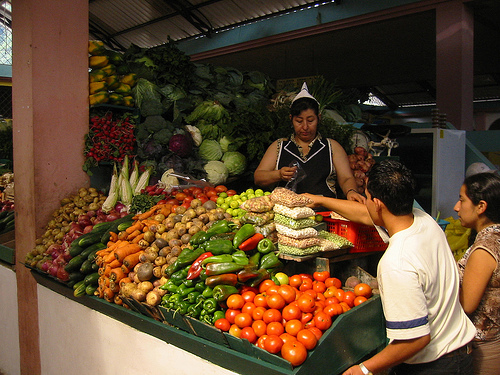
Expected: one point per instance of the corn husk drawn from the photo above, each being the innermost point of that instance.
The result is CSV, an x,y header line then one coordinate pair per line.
x,y
113,194
143,180
134,176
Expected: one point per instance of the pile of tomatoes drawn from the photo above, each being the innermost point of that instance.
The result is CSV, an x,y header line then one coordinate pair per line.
x,y
177,197
289,319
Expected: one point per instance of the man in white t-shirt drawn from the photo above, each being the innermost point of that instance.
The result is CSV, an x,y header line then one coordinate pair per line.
x,y
428,330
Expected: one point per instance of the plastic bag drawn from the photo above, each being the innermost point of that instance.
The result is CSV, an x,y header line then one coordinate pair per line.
x,y
258,204
289,198
294,223
299,175
257,218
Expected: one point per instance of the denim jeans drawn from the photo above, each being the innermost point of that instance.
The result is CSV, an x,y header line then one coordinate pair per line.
x,y
460,364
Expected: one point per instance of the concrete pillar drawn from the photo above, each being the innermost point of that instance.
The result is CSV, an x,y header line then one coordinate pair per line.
x,y
50,119
455,63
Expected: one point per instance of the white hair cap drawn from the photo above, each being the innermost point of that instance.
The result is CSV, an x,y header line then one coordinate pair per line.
x,y
304,93
476,168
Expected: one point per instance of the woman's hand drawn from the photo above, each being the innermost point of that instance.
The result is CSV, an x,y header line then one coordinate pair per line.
x,y
355,196
286,173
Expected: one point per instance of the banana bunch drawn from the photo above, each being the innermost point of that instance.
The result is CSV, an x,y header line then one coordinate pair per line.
x,y
457,236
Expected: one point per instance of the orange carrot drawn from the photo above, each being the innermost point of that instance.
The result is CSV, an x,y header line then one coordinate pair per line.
x,y
122,252
117,300
108,294
104,271
134,234
113,236
115,263
122,236
137,238
110,257
146,214
132,259
137,226
114,286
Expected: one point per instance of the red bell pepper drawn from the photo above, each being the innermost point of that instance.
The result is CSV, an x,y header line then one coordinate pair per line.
x,y
195,269
251,243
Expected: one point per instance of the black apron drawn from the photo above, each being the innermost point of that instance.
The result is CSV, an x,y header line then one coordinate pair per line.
x,y
318,166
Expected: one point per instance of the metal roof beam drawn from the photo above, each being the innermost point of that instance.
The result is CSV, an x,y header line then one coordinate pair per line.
x,y
186,10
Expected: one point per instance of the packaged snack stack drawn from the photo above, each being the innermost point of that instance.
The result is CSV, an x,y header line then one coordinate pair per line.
x,y
259,212
294,223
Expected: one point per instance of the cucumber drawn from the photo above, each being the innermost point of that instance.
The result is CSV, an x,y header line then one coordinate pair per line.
x,y
124,225
74,249
95,267
101,226
80,290
8,217
91,279
88,239
86,267
89,249
74,264
76,276
3,214
90,289
77,285
114,227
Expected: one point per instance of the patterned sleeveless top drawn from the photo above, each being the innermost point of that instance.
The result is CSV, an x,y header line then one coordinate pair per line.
x,y
486,318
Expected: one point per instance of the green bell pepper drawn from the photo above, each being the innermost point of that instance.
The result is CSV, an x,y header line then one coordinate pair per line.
x,y
192,296
222,292
182,307
174,301
194,311
199,237
179,276
200,286
219,314
207,292
254,260
265,246
184,290
246,231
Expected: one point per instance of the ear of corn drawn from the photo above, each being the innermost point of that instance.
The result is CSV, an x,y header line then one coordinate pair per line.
x,y
112,198
143,180
134,176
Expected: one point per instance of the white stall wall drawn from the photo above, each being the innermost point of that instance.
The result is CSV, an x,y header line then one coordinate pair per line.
x,y
9,332
77,340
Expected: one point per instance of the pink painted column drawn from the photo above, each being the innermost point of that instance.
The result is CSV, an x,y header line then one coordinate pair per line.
x,y
50,119
455,63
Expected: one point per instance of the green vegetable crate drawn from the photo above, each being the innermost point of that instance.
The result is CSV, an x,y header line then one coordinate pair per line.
x,y
352,336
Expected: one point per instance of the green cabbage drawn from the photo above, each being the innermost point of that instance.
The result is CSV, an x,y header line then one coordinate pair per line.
x,y
210,150
235,162
217,172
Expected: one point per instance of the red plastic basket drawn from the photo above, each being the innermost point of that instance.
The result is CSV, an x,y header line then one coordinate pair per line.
x,y
364,238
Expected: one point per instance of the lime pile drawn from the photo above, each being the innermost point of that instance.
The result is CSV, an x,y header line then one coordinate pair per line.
x,y
231,203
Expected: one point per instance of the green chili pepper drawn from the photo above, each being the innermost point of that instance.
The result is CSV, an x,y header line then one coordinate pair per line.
x,y
254,260
184,290
199,237
223,236
226,279
179,276
220,268
200,286
207,292
240,257
222,292
194,311
247,273
263,274
200,299
182,307
208,319
189,283
210,305
174,300
219,315
269,260
186,257
246,231
221,226
192,296
218,259
218,247
169,286
265,246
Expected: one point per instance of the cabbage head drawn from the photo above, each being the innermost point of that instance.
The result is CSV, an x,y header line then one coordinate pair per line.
x,y
217,172
235,162
210,150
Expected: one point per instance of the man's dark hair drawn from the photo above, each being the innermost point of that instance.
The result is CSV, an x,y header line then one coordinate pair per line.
x,y
303,104
394,184
485,187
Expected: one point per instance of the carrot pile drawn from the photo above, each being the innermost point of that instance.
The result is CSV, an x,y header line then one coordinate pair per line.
x,y
117,261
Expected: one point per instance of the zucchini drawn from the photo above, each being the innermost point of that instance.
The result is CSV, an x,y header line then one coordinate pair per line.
x,y
74,263
90,249
91,279
90,290
86,267
80,290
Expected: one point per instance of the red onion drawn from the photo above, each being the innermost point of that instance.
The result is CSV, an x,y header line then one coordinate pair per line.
x,y
53,269
84,220
46,265
62,274
119,207
88,228
91,214
123,213
112,216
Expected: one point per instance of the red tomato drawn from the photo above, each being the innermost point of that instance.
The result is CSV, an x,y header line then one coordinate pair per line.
x,y
275,301
249,334
258,313
294,352
230,193
363,289
231,314
317,332
214,198
333,309
220,188
260,341
306,337
287,292
275,328
291,311
321,276
359,300
273,344
259,327
235,330
243,320
180,196
196,190
293,327
248,307
322,320
248,296
333,281
306,303
223,324
349,298
272,315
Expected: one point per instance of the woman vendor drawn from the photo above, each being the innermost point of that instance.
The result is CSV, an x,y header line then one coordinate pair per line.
x,y
323,160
